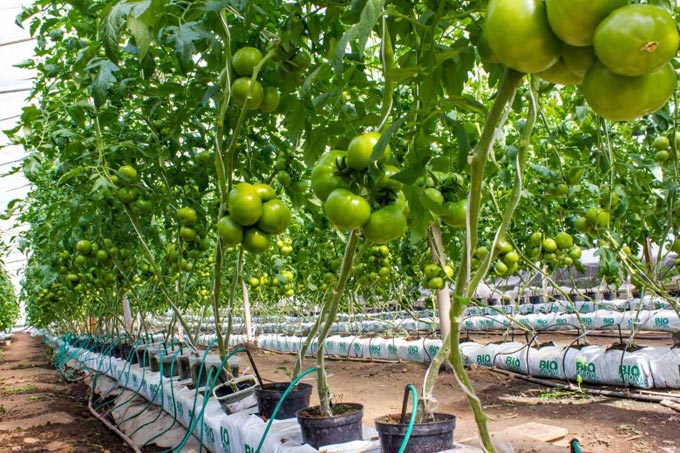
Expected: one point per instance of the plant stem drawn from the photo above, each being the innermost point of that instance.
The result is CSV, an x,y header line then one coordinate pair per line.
x,y
332,303
506,91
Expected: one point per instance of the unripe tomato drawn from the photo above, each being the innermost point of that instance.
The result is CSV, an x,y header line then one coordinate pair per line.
x,y
511,258
230,232
128,194
187,234
284,178
578,59
636,40
503,246
574,22
519,34
264,191
347,210
187,216
324,175
481,252
385,224
575,253
102,255
591,216
549,245
456,213
255,241
560,74
275,217
245,59
661,142
128,172
500,267
245,206
620,98
436,283
360,149
603,219
432,270
240,89
84,247
564,240
271,99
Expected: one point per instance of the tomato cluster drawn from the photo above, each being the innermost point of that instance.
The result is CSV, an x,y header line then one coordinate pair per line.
x,y
379,267
619,53
559,251
507,258
436,276
340,180
248,92
444,196
255,214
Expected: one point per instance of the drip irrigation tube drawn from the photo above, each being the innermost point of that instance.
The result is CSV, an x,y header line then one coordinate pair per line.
x,y
279,404
112,427
411,422
600,392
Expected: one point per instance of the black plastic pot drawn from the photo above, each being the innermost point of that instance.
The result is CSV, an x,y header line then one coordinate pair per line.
x,y
319,431
574,297
609,295
268,397
425,438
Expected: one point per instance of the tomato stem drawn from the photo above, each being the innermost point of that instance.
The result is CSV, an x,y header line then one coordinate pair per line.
x,y
331,304
506,91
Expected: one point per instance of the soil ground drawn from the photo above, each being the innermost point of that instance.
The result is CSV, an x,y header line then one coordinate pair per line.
x,y
42,412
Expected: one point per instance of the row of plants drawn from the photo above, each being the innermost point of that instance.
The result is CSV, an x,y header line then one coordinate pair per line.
x,y
329,156
9,304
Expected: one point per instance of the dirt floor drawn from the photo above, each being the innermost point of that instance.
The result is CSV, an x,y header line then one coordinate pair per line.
x,y
40,411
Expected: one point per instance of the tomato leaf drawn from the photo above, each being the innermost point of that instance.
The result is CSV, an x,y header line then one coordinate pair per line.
x,y
103,79
359,32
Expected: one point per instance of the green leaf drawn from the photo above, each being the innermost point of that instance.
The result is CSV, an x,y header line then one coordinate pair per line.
x,y
140,31
113,26
359,32
103,79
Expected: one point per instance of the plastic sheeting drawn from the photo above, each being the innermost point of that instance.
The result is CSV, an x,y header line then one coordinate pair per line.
x,y
649,367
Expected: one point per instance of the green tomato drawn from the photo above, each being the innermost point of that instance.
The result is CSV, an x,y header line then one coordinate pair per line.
x,y
255,241
324,174
240,89
275,217
245,205
360,149
564,240
187,216
456,213
230,231
622,98
347,210
245,59
549,245
636,40
264,191
574,21
84,247
385,224
435,283
518,33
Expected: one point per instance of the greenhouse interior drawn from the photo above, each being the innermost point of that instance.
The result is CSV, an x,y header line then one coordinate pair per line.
x,y
265,226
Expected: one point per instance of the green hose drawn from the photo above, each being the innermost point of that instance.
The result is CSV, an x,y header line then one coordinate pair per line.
x,y
411,422
280,403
